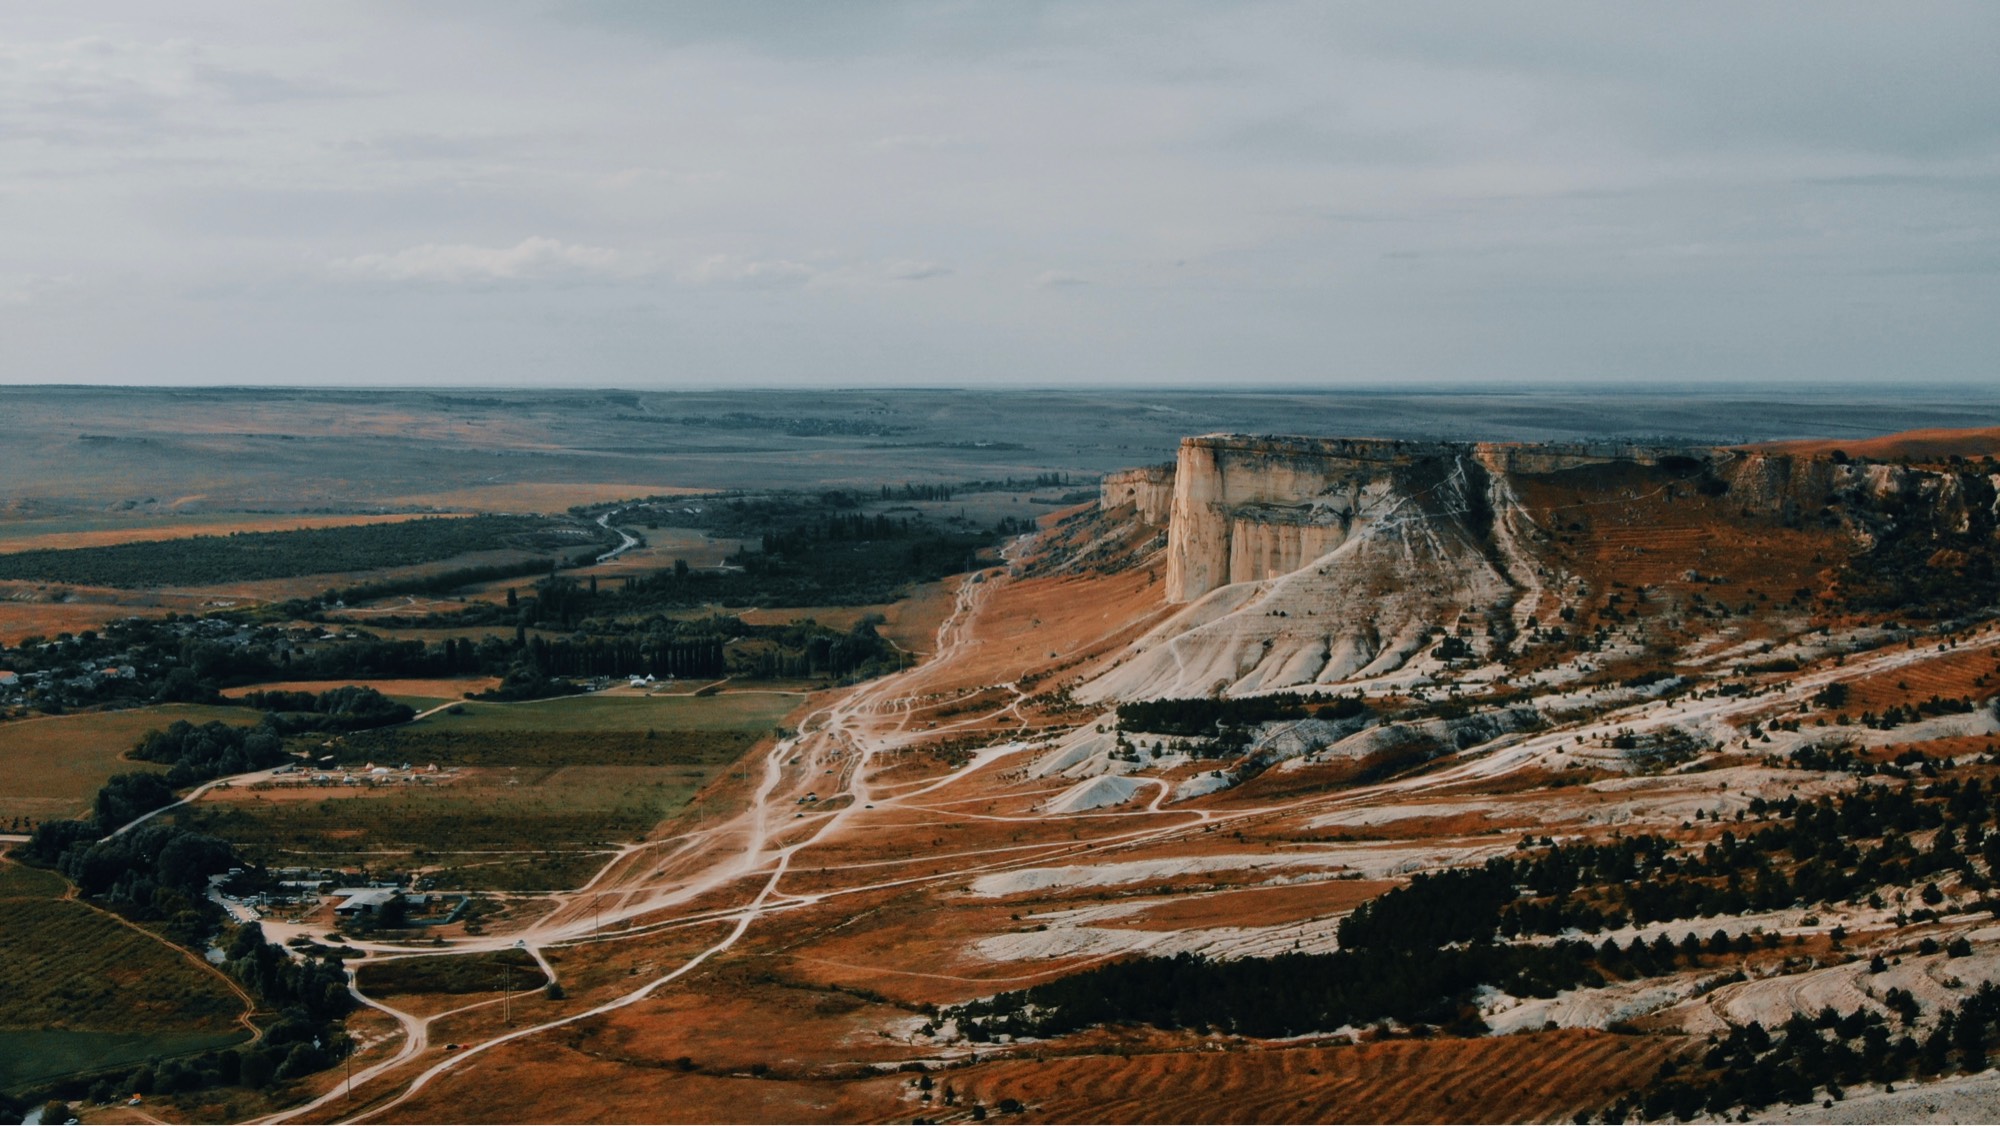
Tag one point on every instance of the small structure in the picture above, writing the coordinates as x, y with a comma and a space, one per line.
356, 900
9, 679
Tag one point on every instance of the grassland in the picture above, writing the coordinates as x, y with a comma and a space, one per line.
548, 791
421, 694
508, 829
84, 990
491, 972
727, 711
53, 764
71, 532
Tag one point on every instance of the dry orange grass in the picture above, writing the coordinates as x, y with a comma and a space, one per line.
1078, 619
550, 1079
19, 619
1973, 673
1255, 907
1637, 536
1538, 1078
1545, 1077
1918, 445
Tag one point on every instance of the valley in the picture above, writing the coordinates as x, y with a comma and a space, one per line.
1305, 779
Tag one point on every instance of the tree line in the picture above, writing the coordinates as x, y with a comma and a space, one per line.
252, 556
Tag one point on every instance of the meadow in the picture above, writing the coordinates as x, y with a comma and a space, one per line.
544, 793
499, 829
54, 764
725, 711
491, 972
84, 990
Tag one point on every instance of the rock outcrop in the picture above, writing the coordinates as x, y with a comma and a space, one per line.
1302, 562
1149, 490
1249, 508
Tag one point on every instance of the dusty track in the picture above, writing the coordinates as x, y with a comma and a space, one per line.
732, 873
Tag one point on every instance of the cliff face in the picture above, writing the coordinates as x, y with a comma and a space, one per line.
1321, 561
1247, 509
1149, 490
1250, 508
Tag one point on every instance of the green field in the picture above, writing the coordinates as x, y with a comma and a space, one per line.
423, 747
507, 829
84, 992
251, 556
547, 793
493, 972
38, 1056
727, 711
50, 766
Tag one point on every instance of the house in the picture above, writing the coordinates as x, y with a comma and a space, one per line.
9, 679
355, 900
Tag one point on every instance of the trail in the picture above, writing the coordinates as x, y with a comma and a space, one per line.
834, 734
638, 891
249, 1002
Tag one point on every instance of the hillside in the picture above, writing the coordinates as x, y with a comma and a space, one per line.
1311, 779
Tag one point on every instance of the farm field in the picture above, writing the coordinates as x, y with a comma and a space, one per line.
84, 989
48, 609
746, 709
198, 561
54, 764
410, 691
497, 829
548, 790
50, 534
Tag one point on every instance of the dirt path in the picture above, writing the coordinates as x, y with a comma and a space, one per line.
249, 1002
639, 890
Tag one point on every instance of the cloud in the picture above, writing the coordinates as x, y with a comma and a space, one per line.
23, 289
94, 90
729, 271
1057, 279
536, 258
918, 142
912, 270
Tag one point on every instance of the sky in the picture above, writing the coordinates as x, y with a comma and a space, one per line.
672, 195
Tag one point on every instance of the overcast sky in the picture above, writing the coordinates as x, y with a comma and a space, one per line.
846, 194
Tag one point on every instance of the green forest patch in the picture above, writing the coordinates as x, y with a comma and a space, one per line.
491, 972
252, 556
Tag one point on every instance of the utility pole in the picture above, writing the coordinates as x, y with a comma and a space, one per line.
507, 997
